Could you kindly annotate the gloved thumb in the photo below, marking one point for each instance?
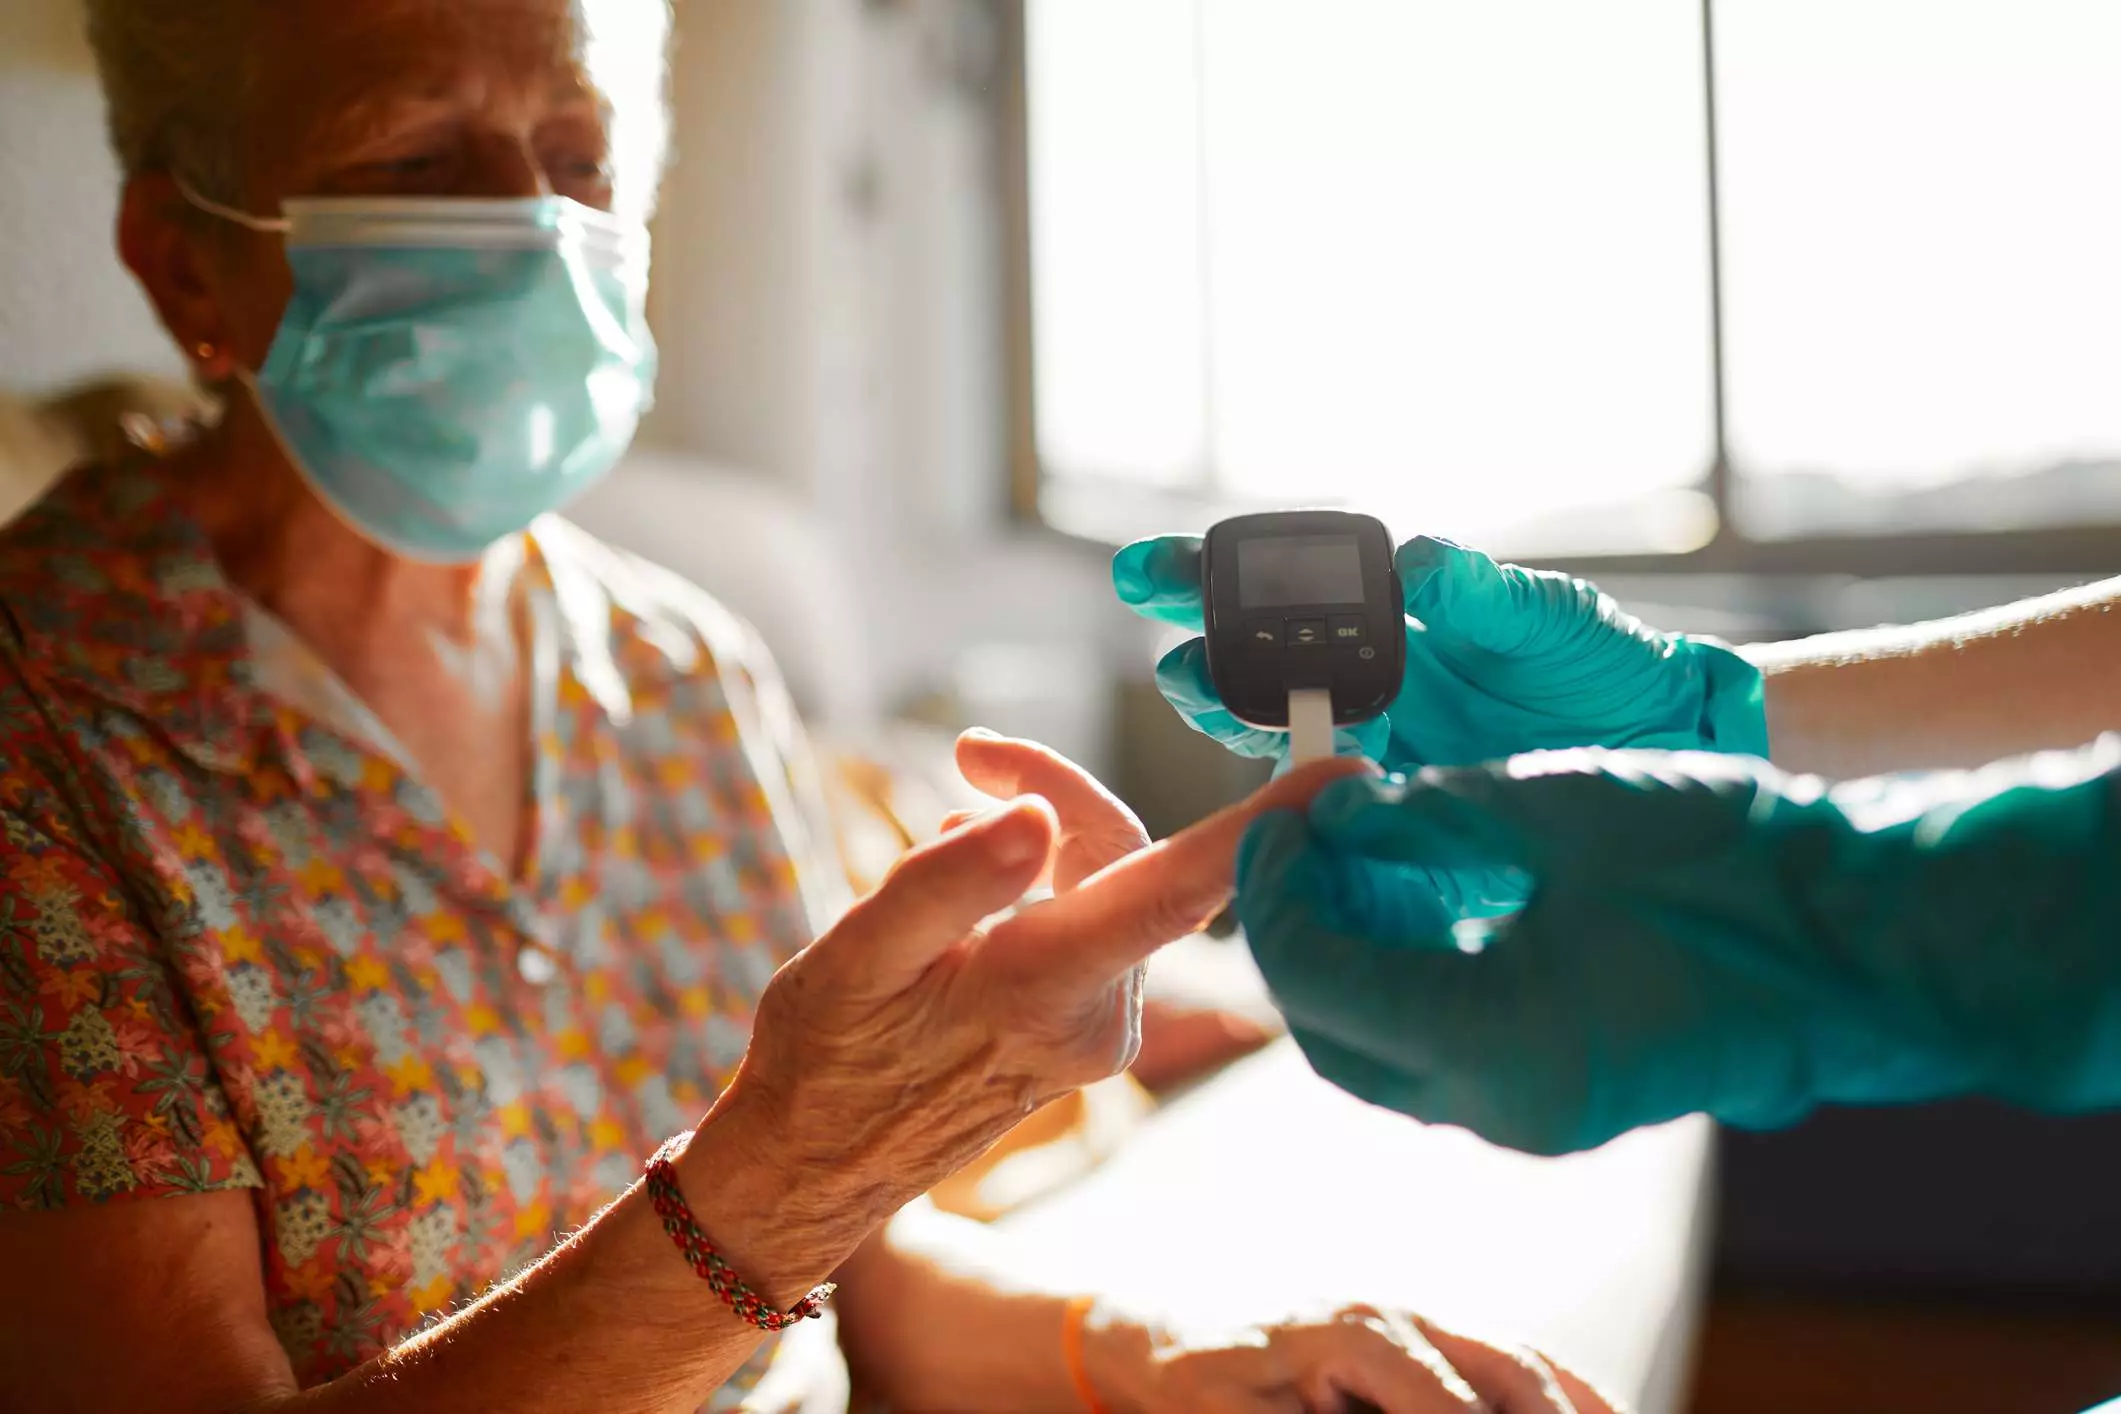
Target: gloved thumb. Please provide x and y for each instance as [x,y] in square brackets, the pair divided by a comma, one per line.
[1585,813]
[1437,819]
[1463,597]
[1159,578]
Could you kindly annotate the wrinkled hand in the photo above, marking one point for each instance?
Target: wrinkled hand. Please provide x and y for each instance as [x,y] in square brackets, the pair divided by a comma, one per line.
[1094,827]
[1500,660]
[917,1031]
[1389,1360]
[1178,1043]
[1707,933]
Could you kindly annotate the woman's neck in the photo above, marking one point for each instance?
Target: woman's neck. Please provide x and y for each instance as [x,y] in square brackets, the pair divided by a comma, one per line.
[277,542]
[437,652]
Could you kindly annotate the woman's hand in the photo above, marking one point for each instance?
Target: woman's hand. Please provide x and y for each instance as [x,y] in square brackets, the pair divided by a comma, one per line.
[1095,828]
[919,1030]
[1178,1043]
[1357,1356]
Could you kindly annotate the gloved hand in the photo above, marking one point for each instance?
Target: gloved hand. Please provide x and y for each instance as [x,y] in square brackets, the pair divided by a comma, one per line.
[1705,934]
[1500,660]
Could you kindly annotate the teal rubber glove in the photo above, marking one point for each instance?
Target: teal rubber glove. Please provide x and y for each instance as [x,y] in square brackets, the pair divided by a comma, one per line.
[1500,660]
[1705,933]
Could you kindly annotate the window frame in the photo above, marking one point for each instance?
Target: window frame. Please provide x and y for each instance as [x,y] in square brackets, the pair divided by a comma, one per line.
[2089,550]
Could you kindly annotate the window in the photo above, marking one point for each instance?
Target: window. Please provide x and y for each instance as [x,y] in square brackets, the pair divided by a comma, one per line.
[1519,272]
[1922,261]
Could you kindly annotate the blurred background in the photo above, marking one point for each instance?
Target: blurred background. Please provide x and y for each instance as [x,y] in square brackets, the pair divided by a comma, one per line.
[1774,316]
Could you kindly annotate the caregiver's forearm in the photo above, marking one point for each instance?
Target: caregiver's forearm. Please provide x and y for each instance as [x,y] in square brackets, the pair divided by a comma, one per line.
[930,1318]
[1956,693]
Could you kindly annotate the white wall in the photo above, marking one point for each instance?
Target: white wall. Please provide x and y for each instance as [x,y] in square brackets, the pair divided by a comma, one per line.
[68,311]
[730,298]
[828,260]
[829,278]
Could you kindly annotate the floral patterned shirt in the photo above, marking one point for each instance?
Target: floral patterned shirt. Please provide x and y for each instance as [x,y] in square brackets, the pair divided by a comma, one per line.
[242,946]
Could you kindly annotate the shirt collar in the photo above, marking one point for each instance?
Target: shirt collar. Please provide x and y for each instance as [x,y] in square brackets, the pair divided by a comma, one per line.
[115,592]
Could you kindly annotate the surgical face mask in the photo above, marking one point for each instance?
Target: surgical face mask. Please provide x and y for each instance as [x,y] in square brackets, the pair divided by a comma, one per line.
[449,369]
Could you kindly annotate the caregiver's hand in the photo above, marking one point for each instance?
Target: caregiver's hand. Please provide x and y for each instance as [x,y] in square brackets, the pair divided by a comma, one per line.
[1706,934]
[914,1033]
[1500,660]
[1391,1360]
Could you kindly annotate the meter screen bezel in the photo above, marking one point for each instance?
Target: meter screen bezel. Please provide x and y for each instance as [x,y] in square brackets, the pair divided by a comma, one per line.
[1257,655]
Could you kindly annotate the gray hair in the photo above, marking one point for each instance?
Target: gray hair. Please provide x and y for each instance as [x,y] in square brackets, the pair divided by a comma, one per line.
[176,75]
[177,78]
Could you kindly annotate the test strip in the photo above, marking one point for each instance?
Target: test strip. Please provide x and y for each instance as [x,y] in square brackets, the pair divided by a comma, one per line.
[1310,724]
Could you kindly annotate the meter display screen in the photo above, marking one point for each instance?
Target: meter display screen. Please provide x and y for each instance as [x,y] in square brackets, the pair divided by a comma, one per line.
[1275,571]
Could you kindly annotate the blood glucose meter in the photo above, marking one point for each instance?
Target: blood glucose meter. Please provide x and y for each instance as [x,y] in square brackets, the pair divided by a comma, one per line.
[1305,624]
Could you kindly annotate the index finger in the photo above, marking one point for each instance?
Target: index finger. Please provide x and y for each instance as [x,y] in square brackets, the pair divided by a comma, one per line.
[1096,826]
[1129,909]
[1159,579]
[1510,1381]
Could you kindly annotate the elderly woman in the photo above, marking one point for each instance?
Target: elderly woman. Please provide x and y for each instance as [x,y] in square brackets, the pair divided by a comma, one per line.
[388,868]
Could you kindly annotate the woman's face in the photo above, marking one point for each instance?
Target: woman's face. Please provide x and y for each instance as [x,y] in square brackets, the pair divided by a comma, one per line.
[477,98]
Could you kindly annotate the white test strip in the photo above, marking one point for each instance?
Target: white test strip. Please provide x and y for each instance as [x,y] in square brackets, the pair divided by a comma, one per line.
[1310,724]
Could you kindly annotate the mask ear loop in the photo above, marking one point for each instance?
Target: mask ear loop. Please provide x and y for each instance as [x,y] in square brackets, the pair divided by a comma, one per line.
[264,225]
[235,373]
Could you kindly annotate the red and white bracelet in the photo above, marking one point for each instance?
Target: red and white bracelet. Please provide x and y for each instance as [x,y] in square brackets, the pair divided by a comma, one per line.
[713,1268]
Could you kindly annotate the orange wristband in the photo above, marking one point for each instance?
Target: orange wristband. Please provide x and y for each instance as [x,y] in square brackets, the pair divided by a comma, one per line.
[1072,1351]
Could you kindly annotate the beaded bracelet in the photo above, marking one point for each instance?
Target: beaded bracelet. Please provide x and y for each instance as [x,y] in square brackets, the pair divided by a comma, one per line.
[714,1269]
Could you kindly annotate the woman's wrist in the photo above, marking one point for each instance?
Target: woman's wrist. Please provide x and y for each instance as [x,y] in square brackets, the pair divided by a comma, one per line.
[784,1224]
